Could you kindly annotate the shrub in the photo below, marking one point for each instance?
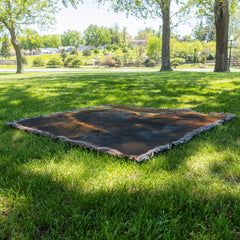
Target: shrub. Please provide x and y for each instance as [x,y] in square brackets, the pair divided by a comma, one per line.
[38,62]
[109,48]
[96,50]
[74,51]
[138,62]
[105,52]
[115,46]
[97,62]
[118,52]
[150,62]
[63,54]
[86,52]
[175,64]
[125,50]
[24,60]
[119,60]
[76,62]
[54,62]
[109,61]
[68,60]
[178,60]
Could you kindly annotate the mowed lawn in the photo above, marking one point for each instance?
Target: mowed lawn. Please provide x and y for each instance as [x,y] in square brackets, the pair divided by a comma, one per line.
[52,190]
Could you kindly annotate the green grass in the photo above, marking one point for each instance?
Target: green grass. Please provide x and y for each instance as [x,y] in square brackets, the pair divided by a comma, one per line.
[52,190]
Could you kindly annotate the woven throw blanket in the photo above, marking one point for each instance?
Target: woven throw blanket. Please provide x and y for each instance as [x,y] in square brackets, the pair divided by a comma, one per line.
[125,131]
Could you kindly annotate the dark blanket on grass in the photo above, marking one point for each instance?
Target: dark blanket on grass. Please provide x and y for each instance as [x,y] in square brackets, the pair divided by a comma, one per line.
[137,133]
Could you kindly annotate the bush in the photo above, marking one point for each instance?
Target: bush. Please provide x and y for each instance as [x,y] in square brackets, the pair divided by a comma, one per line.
[115,46]
[119,60]
[175,64]
[109,61]
[54,62]
[150,62]
[97,62]
[105,52]
[63,54]
[109,48]
[38,62]
[74,51]
[96,50]
[24,60]
[138,62]
[68,60]
[125,50]
[76,62]
[178,60]
[73,61]
[86,52]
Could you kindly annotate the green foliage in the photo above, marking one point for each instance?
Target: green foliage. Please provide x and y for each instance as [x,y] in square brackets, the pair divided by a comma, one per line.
[154,48]
[138,62]
[119,60]
[109,62]
[63,54]
[51,41]
[205,33]
[38,62]
[125,50]
[150,62]
[77,62]
[115,47]
[68,60]
[31,40]
[109,47]
[71,38]
[73,61]
[54,62]
[97,62]
[24,60]
[105,51]
[74,51]
[175,64]
[96,50]
[178,60]
[5,49]
[86,52]
[115,35]
[97,36]
[17,14]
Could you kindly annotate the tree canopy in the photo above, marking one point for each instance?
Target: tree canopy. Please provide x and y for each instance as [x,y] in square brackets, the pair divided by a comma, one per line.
[17,15]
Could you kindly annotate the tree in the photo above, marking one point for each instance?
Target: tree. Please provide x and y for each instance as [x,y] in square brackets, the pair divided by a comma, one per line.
[31,41]
[5,49]
[72,38]
[144,35]
[154,48]
[15,15]
[205,32]
[234,25]
[124,35]
[144,9]
[51,41]
[97,36]
[221,10]
[115,35]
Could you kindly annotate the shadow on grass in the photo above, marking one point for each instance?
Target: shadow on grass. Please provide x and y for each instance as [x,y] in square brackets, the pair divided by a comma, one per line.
[110,198]
[43,206]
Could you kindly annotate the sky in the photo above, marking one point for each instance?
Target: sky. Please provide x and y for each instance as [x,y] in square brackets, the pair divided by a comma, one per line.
[88,13]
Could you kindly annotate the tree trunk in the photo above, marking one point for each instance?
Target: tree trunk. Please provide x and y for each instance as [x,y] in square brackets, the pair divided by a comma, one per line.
[165,8]
[221,12]
[17,48]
